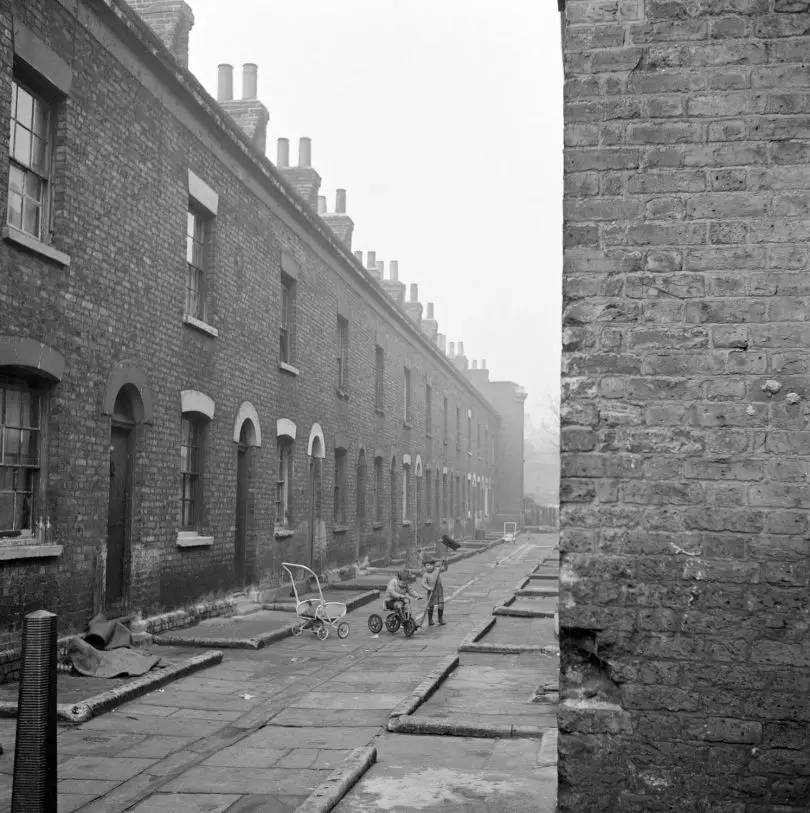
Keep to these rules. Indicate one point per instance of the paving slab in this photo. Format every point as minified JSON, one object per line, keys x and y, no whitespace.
{"x":462,"y":775}
{"x":521,"y":631}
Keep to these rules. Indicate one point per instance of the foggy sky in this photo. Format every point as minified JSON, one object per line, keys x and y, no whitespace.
{"x":443,"y":121}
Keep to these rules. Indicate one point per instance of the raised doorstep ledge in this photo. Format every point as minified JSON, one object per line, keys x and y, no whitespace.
{"x":32,"y":244}
{"x":13,"y":553}
{"x":288,"y":368}
{"x":192,"y":540}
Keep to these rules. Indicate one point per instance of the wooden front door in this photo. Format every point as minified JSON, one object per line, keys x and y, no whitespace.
{"x":118,"y":520}
{"x":240,"y":545}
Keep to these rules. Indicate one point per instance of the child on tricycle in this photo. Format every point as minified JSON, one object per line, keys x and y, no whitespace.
{"x":398,"y":595}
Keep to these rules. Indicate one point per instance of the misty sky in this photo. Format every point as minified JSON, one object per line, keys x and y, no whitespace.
{"x":443,"y":121}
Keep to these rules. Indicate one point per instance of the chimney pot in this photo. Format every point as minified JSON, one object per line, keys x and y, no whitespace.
{"x":393,"y":271}
{"x":414,"y":292}
{"x":225,"y":82}
{"x":340,"y":201}
{"x":305,"y":152}
{"x":283,"y":153}
{"x":321,"y":205}
{"x":461,"y":348}
{"x":371,"y":262}
{"x":451,"y":349}
{"x":249,"y":80}
{"x":380,"y":266}
{"x":483,"y":364}
{"x":429,"y":310}
{"x":475,"y":365}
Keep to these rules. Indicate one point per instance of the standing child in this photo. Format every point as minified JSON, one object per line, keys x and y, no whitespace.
{"x":432,"y":582}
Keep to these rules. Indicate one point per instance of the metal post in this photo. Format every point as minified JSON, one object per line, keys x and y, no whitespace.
{"x":34,"y":788}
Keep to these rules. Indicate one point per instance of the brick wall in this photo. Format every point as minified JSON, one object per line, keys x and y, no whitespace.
{"x":128,"y":132}
{"x":684,"y":580}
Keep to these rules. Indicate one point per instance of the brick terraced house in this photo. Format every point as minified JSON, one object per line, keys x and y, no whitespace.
{"x":198,"y":378}
{"x":685,"y":498}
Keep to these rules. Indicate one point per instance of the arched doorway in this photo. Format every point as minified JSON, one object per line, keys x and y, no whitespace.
{"x":125,"y":414}
{"x":243,"y":470}
{"x":317,"y":530}
{"x":394,"y":515}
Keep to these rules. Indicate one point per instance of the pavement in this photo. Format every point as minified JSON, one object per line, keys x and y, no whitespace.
{"x":263,"y":729}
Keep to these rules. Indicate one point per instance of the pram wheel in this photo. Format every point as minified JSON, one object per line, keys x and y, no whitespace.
{"x":343,"y":630}
{"x":392,"y":622}
{"x":322,"y":632}
{"x":375,"y":623}
{"x":409,"y":627}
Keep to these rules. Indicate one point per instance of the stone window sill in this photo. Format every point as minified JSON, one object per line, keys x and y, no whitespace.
{"x":15,"y":553}
{"x":376,"y":526}
{"x":340,"y":529}
{"x":283,"y":533}
{"x":191,"y":539}
{"x":407,"y":424}
{"x":288,"y":368}
{"x":380,"y":412}
{"x":199,"y":324}
{"x":406,"y":523}
{"x":429,"y":435}
{"x":469,"y":454}
{"x":341,"y":393}
{"x":428,"y":522}
{"x":32,"y":244}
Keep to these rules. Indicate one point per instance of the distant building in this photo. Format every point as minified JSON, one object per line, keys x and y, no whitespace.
{"x":198,"y":378}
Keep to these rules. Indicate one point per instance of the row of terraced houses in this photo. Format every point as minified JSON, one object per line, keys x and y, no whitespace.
{"x":198,"y":378}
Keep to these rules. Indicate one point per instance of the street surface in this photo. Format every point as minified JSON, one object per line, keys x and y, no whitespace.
{"x":261,"y":730}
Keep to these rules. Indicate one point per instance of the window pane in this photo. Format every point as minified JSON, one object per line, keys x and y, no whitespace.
{"x":13,"y":408}
{"x":39,"y":155}
{"x":31,"y":212}
{"x":22,"y":146}
{"x":33,"y":187}
{"x":16,"y":179}
{"x":25,"y":107}
{"x":6,"y":511}
{"x":40,"y":123}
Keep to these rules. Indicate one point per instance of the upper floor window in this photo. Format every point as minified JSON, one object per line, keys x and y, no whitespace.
{"x":458,"y":427}
{"x":30,"y":151}
{"x":192,"y":433}
{"x":361,"y":488}
{"x":379,"y":378}
{"x":408,"y":396}
{"x":19,"y":456}
{"x":428,"y":496}
{"x":469,"y":431}
{"x":197,"y":232}
{"x":428,"y":409}
{"x":445,"y":413}
{"x":285,"y":353}
{"x":342,"y":353}
{"x":406,"y":491}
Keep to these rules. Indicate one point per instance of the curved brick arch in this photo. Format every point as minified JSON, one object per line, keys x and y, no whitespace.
{"x":247,"y":412}
{"x":316,"y":433}
{"x":196,"y":401}
{"x":123,"y":375}
{"x":29,"y":354}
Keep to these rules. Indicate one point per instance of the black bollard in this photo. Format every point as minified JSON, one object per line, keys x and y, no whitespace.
{"x":34,"y":788}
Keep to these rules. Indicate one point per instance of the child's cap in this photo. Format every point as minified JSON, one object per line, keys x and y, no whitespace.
{"x":429,"y":560}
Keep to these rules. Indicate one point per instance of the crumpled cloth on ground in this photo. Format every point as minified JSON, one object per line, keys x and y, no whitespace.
{"x":106,"y":651}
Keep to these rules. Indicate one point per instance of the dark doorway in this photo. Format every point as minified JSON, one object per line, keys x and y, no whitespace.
{"x":315,"y":473}
{"x":119,"y":511}
{"x":242,"y":488}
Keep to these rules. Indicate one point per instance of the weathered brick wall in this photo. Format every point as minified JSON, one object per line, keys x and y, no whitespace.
{"x":127,"y":135}
{"x":685,"y":451}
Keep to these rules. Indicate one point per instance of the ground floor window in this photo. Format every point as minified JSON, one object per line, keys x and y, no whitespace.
{"x":20,"y":406}
{"x":284,"y":482}
{"x":192,"y":430}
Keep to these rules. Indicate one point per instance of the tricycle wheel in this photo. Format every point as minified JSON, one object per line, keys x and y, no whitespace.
{"x":409,"y":627}
{"x":298,"y":628}
{"x":343,"y":630}
{"x":322,"y":632}
{"x":392,"y":622}
{"x":375,"y":623}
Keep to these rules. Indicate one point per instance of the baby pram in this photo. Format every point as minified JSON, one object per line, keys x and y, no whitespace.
{"x":315,"y":613}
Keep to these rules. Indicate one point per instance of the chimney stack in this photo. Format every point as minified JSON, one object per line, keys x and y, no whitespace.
{"x":248,"y":112}
{"x":414,"y":307}
{"x":393,"y":287}
{"x":250,"y":81}
{"x":359,"y":255}
{"x":483,"y":364}
{"x":430,"y":326}
{"x":340,"y":223}
{"x":224,"y":82}
{"x":371,"y":265}
{"x":451,"y":349}
{"x":441,"y":342}
{"x":475,"y":364}
{"x":461,"y":360}
{"x":283,"y":153}
{"x":171,"y":21}
{"x":303,"y":178}
{"x":478,"y":374}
